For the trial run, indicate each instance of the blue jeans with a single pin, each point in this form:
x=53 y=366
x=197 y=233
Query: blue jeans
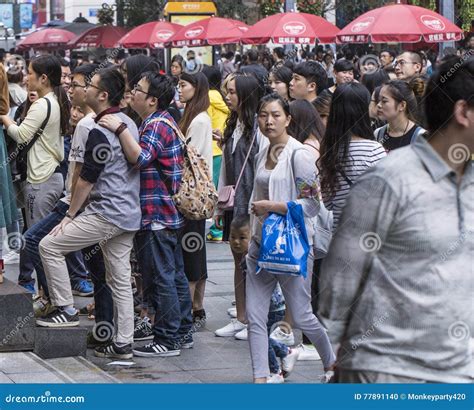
x=104 y=305
x=165 y=286
x=75 y=263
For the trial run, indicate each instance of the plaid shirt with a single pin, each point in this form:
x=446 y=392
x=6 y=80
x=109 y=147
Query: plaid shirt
x=160 y=147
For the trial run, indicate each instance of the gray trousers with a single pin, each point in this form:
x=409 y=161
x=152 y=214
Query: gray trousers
x=297 y=293
x=40 y=199
x=116 y=245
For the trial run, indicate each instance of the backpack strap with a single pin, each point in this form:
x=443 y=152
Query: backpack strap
x=418 y=131
x=381 y=132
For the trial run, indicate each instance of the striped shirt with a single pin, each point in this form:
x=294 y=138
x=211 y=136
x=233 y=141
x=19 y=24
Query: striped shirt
x=362 y=155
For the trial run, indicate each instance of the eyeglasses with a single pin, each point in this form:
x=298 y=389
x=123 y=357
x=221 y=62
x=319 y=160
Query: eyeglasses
x=76 y=85
x=401 y=63
x=93 y=86
x=136 y=88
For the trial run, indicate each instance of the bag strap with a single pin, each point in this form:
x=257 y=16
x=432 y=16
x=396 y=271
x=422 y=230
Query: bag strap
x=246 y=159
x=349 y=182
x=40 y=130
x=381 y=133
x=418 y=131
x=182 y=140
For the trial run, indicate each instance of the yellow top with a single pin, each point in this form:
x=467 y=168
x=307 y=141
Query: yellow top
x=218 y=111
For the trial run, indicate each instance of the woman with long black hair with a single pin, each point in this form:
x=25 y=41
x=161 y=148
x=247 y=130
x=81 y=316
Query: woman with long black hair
x=348 y=148
x=196 y=125
x=44 y=181
x=241 y=143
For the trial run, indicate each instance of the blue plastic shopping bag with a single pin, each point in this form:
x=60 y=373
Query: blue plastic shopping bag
x=285 y=246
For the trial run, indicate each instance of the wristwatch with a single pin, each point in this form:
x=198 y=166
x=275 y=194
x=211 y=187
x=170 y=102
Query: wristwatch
x=120 y=129
x=68 y=215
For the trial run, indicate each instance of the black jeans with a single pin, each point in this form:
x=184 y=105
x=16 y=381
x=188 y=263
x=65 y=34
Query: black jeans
x=165 y=286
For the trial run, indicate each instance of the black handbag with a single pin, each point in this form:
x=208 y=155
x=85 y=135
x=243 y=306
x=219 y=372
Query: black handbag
x=22 y=150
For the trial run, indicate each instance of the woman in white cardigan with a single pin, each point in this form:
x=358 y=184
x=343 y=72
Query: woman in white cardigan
x=196 y=125
x=285 y=171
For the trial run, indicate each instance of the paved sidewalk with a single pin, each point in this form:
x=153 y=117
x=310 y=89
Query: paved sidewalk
x=212 y=360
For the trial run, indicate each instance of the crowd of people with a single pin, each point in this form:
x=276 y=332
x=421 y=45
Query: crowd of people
x=93 y=153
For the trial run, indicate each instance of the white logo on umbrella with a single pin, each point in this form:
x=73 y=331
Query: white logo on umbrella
x=294 y=27
x=362 y=25
x=194 y=32
x=432 y=22
x=163 y=34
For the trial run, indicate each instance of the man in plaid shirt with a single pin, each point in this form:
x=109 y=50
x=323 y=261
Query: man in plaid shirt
x=159 y=155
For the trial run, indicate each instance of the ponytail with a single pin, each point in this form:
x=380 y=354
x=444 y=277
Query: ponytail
x=64 y=108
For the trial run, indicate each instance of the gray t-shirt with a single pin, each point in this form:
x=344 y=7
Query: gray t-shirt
x=116 y=191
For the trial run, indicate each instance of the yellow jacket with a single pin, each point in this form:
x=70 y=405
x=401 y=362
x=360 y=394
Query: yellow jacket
x=218 y=111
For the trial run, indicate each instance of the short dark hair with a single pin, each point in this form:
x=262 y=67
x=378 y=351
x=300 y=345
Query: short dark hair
x=343 y=65
x=313 y=72
x=280 y=52
x=87 y=70
x=111 y=80
x=64 y=62
x=229 y=55
x=375 y=79
x=160 y=86
x=15 y=77
x=214 y=77
x=252 y=56
x=416 y=57
x=451 y=82
x=240 y=221
x=391 y=52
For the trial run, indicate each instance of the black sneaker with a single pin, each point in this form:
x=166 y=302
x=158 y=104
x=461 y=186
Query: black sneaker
x=93 y=342
x=59 y=318
x=112 y=351
x=155 y=349
x=143 y=330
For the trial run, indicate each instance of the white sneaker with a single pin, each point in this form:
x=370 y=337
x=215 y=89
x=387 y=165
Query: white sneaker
x=308 y=352
x=275 y=378
x=242 y=335
x=282 y=337
x=232 y=312
x=11 y=258
x=288 y=362
x=231 y=329
x=326 y=377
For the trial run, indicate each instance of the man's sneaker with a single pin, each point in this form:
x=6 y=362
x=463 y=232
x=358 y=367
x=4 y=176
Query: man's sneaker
x=11 y=258
x=82 y=288
x=42 y=307
x=231 y=329
x=232 y=312
x=327 y=377
x=187 y=345
x=59 y=318
x=154 y=349
x=275 y=378
x=242 y=335
x=143 y=330
x=280 y=336
x=210 y=237
x=308 y=352
x=92 y=342
x=112 y=351
x=30 y=288
x=288 y=362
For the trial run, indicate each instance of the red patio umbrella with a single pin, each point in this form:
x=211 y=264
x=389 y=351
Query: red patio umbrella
x=100 y=36
x=291 y=28
x=149 y=35
x=400 y=23
x=49 y=38
x=211 y=31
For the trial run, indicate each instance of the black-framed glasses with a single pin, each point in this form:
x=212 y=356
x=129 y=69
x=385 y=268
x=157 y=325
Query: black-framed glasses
x=93 y=86
x=136 y=88
x=401 y=63
x=76 y=85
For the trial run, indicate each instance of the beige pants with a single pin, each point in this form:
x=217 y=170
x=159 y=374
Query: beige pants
x=116 y=245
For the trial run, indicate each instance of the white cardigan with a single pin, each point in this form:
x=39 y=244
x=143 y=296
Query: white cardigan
x=300 y=184
x=200 y=135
